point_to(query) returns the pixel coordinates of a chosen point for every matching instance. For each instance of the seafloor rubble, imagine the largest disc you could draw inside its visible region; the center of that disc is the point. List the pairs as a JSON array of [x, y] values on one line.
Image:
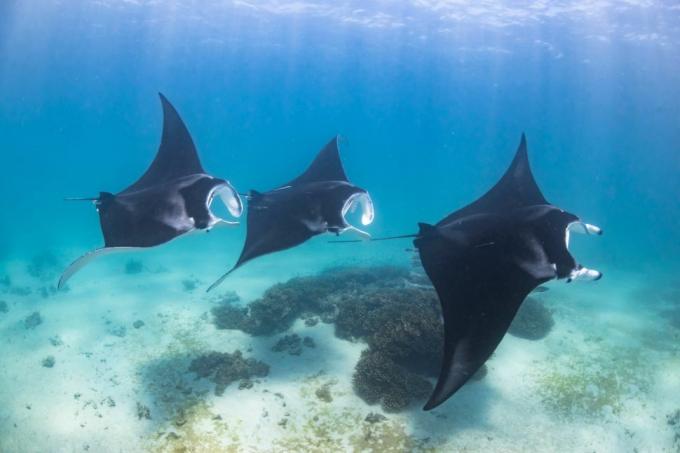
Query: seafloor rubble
[[391, 309]]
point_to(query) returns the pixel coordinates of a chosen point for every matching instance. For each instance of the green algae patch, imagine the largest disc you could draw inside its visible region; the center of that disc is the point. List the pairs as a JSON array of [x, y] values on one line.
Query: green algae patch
[[198, 430], [593, 384], [329, 428]]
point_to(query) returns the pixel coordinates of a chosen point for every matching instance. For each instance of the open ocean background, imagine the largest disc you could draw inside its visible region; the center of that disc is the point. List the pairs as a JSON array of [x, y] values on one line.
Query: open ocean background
[[430, 97]]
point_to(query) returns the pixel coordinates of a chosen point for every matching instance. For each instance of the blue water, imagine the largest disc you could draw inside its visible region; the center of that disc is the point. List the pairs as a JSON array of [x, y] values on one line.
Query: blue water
[[430, 97]]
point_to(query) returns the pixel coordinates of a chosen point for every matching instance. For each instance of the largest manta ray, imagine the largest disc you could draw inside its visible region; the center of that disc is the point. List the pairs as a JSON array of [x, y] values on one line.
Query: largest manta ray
[[315, 202], [172, 197], [485, 258]]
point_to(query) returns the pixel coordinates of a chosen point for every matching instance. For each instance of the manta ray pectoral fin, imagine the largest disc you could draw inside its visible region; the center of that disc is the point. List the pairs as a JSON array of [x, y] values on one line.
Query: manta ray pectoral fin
[[583, 273], [425, 228], [86, 259]]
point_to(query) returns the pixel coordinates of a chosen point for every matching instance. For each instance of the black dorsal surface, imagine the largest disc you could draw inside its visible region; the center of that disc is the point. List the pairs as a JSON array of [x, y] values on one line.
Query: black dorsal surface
[[327, 166], [516, 188], [176, 156], [483, 261]]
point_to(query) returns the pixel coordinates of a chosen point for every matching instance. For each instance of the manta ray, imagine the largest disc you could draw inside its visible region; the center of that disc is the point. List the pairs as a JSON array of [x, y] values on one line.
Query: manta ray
[[172, 198], [485, 258], [315, 202]]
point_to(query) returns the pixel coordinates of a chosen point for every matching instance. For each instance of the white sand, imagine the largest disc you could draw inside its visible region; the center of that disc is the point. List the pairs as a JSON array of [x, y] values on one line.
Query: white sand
[[537, 396]]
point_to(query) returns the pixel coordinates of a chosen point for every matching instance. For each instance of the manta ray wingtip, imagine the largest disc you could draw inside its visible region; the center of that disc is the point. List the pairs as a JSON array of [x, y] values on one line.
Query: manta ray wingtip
[[436, 399]]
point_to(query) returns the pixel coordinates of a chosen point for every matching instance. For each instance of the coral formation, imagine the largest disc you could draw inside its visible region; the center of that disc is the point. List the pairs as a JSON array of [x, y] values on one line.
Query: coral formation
[[380, 380], [190, 284], [138, 324], [399, 320], [292, 344], [133, 267], [44, 266], [374, 417], [223, 368], [283, 303], [324, 393], [117, 331], [3, 307], [393, 310], [33, 320], [47, 291], [533, 320], [48, 362], [143, 411], [673, 420]]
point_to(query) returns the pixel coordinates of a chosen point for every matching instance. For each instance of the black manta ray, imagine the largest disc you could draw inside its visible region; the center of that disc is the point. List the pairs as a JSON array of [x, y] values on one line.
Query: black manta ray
[[315, 202], [485, 258], [172, 197]]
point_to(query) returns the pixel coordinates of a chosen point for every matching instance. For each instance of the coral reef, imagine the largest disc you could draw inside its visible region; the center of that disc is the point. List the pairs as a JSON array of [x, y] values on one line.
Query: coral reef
[[48, 362], [117, 331], [292, 344], [223, 368], [138, 324], [533, 320], [673, 420], [380, 380], [33, 320], [324, 393], [143, 411], [133, 267], [44, 266], [398, 317], [190, 284], [47, 291], [374, 417], [3, 307], [283, 303]]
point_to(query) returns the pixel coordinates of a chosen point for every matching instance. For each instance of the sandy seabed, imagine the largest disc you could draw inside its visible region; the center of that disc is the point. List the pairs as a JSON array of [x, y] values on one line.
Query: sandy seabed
[[606, 378]]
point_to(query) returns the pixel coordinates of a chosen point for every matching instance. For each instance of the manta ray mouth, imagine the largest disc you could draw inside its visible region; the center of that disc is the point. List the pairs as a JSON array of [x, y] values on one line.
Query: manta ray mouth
[[230, 199], [362, 199], [580, 272]]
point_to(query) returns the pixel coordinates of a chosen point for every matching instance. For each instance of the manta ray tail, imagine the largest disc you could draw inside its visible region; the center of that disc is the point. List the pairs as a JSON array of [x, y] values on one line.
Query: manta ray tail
[[385, 238], [85, 260], [219, 281], [81, 198]]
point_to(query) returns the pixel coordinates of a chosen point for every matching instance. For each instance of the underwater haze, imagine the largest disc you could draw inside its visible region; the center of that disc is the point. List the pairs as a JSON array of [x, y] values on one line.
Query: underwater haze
[[290, 353]]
